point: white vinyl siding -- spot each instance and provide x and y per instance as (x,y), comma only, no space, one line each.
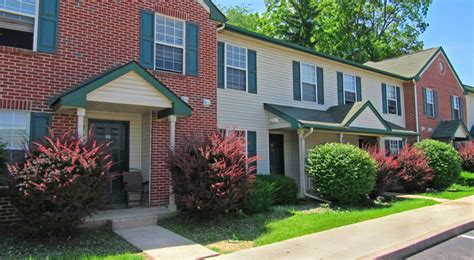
(367,119)
(470,110)
(275,86)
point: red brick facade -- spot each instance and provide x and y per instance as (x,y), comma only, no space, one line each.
(445,84)
(94,36)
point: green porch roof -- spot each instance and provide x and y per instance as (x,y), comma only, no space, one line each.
(336,118)
(76,96)
(447,129)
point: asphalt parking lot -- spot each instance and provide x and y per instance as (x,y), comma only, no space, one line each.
(460,247)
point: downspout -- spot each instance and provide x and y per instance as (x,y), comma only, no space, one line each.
(302,151)
(416,111)
(221,27)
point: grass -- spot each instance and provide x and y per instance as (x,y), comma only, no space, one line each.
(232,233)
(88,244)
(456,191)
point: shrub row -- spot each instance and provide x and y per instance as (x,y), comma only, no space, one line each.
(466,152)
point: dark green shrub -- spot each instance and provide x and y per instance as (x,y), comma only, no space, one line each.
(285,189)
(341,172)
(61,182)
(260,199)
(443,160)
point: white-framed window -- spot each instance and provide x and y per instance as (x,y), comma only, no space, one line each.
(14,132)
(309,82)
(18,23)
(430,103)
(242,133)
(236,67)
(456,108)
(394,146)
(392,100)
(350,89)
(169,44)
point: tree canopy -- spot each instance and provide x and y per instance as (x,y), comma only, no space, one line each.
(358,30)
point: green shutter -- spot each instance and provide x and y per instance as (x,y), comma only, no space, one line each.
(220,64)
(387,147)
(252,71)
(400,145)
(425,103)
(340,88)
(47,39)
(435,101)
(399,102)
(39,126)
(296,81)
(252,145)
(192,49)
(147,21)
(384,98)
(320,75)
(359,89)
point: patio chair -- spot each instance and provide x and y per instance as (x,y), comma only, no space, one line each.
(134,187)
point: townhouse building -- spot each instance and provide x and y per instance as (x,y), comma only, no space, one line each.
(149,74)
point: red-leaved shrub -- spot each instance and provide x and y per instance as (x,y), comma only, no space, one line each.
(414,171)
(466,152)
(61,182)
(213,175)
(387,169)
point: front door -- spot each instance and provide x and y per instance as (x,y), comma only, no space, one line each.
(117,133)
(277,159)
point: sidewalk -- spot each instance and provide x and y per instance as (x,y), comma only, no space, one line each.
(367,239)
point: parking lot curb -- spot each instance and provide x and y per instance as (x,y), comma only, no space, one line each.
(423,242)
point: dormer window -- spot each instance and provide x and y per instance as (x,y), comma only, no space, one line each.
(17,23)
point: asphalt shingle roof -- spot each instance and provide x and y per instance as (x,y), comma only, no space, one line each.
(447,129)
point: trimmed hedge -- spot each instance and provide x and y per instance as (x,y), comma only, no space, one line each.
(260,199)
(443,160)
(341,172)
(284,189)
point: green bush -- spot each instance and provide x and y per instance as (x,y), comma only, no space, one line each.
(341,172)
(466,179)
(284,190)
(260,199)
(443,160)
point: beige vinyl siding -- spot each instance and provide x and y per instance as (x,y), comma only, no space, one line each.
(135,121)
(470,110)
(146,145)
(275,85)
(130,89)
(367,119)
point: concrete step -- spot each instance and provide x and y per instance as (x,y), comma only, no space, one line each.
(134,222)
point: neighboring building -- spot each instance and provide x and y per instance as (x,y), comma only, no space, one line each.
(75,64)
(470,108)
(434,96)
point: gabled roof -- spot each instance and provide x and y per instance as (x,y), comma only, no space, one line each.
(215,13)
(448,129)
(409,65)
(77,96)
(336,118)
(468,89)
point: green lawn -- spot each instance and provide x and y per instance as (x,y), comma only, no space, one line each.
(88,244)
(233,233)
(456,191)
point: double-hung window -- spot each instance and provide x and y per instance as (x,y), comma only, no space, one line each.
(392,100)
(350,89)
(17,23)
(456,108)
(14,132)
(308,82)
(394,146)
(169,44)
(430,103)
(236,67)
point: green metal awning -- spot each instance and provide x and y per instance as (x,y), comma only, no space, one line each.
(338,119)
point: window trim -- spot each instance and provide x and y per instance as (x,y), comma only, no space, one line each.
(27,130)
(315,83)
(35,25)
(228,130)
(429,90)
(396,99)
(457,100)
(344,87)
(169,45)
(233,67)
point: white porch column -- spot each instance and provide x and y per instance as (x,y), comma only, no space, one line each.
(81,113)
(341,138)
(172,146)
(302,155)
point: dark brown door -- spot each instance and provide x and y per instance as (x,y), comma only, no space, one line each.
(277,157)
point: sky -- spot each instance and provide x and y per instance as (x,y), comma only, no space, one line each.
(451,26)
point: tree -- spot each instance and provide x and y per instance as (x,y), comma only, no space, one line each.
(358,30)
(242,16)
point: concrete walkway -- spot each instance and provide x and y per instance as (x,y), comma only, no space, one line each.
(160,243)
(368,239)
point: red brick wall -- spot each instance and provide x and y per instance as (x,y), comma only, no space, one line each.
(94,36)
(445,84)
(7,212)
